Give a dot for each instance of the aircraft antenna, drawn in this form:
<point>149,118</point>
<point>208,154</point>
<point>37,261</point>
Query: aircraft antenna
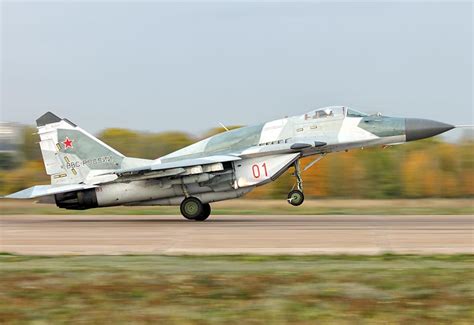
<point>223,126</point>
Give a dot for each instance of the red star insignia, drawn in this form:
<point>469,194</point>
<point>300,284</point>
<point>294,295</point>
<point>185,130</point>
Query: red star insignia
<point>67,143</point>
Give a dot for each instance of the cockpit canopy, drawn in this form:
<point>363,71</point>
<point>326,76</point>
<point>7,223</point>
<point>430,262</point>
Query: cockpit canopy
<point>325,112</point>
<point>333,111</point>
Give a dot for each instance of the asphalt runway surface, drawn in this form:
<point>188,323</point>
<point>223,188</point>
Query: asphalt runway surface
<point>95,234</point>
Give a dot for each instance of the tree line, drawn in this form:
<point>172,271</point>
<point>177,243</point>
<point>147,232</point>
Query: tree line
<point>424,169</point>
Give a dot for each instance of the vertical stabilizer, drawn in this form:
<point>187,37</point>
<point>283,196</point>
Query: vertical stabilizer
<point>70,154</point>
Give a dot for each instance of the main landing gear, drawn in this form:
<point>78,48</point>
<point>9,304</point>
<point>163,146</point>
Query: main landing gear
<point>193,209</point>
<point>296,196</point>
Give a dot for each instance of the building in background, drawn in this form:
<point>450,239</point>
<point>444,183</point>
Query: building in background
<point>10,142</point>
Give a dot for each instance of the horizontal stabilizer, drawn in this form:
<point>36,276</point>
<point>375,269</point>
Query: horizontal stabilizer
<point>44,190</point>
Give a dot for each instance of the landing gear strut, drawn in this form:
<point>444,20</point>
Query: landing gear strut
<point>193,209</point>
<point>296,196</point>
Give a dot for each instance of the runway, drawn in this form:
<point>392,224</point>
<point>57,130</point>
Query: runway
<point>93,234</point>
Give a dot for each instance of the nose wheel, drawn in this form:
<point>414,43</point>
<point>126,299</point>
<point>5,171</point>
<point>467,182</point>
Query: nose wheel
<point>296,196</point>
<point>193,209</point>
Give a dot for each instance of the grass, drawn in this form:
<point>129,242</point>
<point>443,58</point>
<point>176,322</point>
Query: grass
<point>256,207</point>
<point>237,289</point>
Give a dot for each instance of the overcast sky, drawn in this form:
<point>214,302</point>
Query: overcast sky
<point>161,66</point>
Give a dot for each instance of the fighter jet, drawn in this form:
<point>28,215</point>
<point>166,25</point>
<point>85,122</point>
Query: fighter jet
<point>87,173</point>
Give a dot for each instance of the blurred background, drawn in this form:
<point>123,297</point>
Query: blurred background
<point>433,168</point>
<point>151,77</point>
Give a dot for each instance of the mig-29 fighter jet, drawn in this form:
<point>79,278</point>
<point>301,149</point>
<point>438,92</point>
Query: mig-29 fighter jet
<point>87,173</point>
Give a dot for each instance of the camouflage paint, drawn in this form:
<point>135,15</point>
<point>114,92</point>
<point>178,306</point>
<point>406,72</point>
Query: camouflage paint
<point>383,126</point>
<point>220,167</point>
<point>86,151</point>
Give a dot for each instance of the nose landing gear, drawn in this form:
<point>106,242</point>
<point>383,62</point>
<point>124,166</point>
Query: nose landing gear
<point>193,209</point>
<point>296,196</point>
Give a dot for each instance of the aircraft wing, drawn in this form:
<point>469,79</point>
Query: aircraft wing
<point>44,190</point>
<point>165,169</point>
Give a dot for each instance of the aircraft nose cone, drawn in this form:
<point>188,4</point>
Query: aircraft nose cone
<point>416,129</point>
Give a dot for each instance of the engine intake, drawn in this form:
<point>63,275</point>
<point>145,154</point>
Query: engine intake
<point>80,200</point>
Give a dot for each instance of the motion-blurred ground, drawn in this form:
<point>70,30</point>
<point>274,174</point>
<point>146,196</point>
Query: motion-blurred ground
<point>236,234</point>
<point>386,289</point>
<point>273,207</point>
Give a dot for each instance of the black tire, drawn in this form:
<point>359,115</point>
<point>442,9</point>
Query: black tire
<point>206,212</point>
<point>296,198</point>
<point>191,208</point>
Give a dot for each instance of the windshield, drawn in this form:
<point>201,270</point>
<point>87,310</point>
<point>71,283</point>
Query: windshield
<point>353,113</point>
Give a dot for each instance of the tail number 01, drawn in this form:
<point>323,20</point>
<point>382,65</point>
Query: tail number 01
<point>257,170</point>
